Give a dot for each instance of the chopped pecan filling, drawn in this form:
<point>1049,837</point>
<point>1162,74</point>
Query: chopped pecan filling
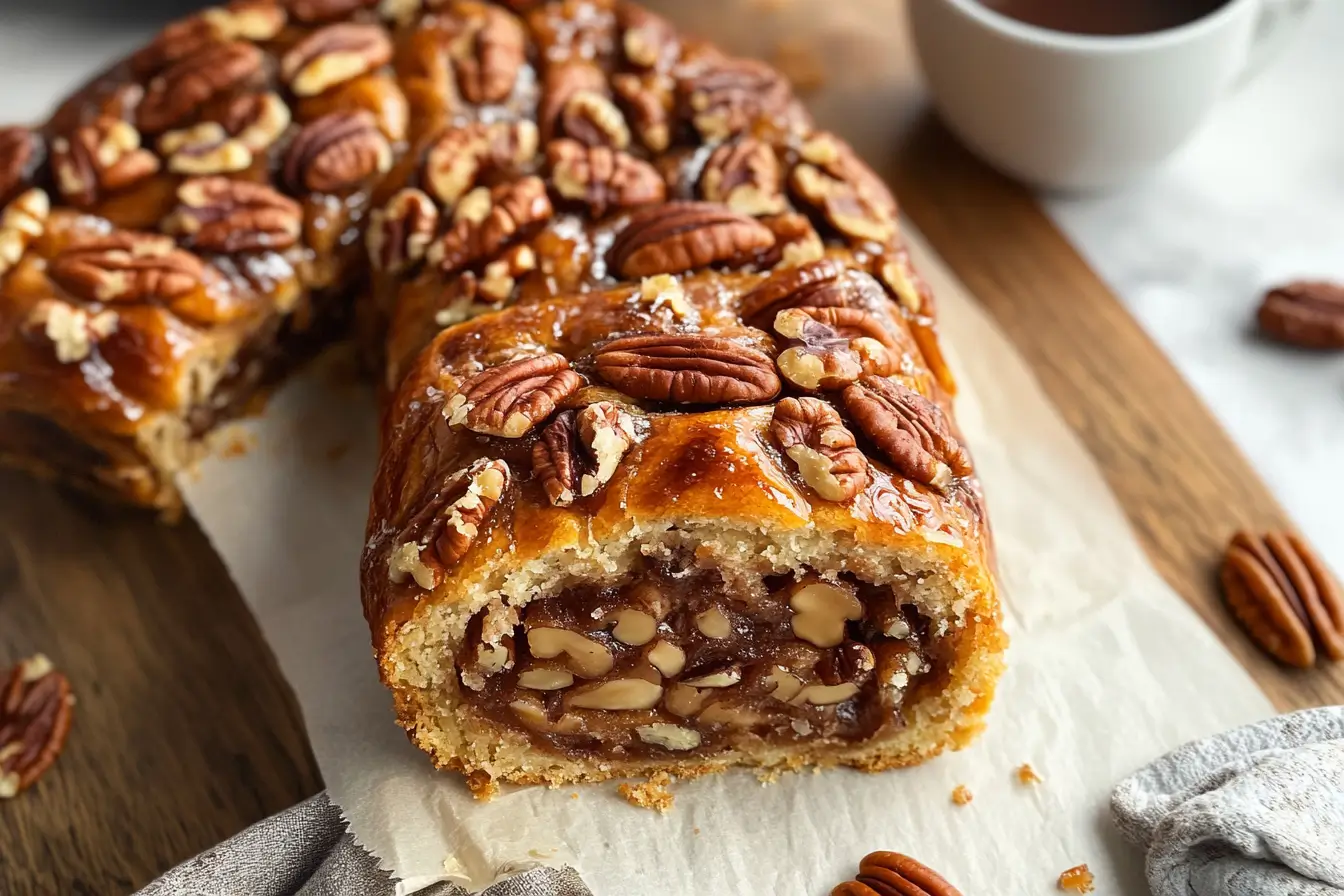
<point>682,663</point>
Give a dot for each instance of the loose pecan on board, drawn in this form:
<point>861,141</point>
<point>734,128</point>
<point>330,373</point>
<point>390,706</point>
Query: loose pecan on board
<point>893,874</point>
<point>35,710</point>
<point>1306,313</point>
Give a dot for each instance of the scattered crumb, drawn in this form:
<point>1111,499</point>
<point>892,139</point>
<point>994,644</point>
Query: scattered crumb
<point>231,441</point>
<point>574,796</point>
<point>1026,775</point>
<point>962,795</point>
<point>801,64</point>
<point>482,786</point>
<point>695,831</point>
<point>1076,880</point>
<point>653,794</point>
<point>338,451</point>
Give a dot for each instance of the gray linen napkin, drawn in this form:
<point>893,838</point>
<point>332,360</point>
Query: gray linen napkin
<point>305,851</point>
<point>1256,811</point>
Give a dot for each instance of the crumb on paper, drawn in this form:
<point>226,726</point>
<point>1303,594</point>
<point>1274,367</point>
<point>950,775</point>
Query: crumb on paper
<point>1026,775</point>
<point>231,441</point>
<point>961,795</point>
<point>1076,880</point>
<point>800,62</point>
<point>574,795</point>
<point>695,831</point>
<point>482,786</point>
<point>652,794</point>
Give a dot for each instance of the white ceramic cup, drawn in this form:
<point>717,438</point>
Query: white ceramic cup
<point>1082,112</point>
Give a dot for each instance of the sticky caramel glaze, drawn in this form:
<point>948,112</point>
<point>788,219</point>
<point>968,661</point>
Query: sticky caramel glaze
<point>758,644</point>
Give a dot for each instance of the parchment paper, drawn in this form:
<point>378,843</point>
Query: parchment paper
<point>1108,667</point>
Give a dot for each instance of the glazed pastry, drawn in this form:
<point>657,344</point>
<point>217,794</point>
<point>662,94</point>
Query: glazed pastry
<point>669,477</point>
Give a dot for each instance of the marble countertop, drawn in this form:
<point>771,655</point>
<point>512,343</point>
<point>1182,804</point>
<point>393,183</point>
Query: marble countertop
<point>1256,198</point>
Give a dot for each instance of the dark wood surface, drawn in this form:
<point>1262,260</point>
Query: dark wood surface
<point>185,731</point>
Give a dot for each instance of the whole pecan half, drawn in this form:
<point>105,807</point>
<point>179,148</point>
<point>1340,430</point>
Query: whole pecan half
<point>1306,313</point>
<point>317,12</point>
<point>682,236</point>
<point>824,283</point>
<point>647,39</point>
<point>687,369</point>
<point>648,101</point>
<point>458,157</point>
<point>814,437</point>
<point>101,157</point>
<point>18,151</point>
<point>509,399</point>
<point>439,536</point>
<point>833,346</point>
<point>744,175</point>
<point>727,96</point>
<point>602,178</point>
<point>579,451</point>
<point>125,266</point>
<point>216,214</point>
<point>401,231</point>
<point>248,125</point>
<point>488,220</point>
<point>594,120</point>
<point>333,55</point>
<point>489,56</point>
<point>337,152</point>
<point>22,221</point>
<point>178,91</point>
<point>892,874</point>
<point>35,710</point>
<point>1284,595</point>
<point>563,81</point>
<point>909,429</point>
<point>832,179</point>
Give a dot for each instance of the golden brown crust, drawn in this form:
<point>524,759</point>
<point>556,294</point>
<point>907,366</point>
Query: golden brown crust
<point>595,257</point>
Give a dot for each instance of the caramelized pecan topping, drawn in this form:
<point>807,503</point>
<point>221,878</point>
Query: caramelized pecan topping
<point>562,82</point>
<point>401,231</point>
<point>18,150</point>
<point>853,199</point>
<point>1284,595</point>
<point>489,56</point>
<point>179,90</point>
<point>35,709</point>
<point>823,283</point>
<point>647,39</point>
<point>249,20</point>
<point>256,20</point>
<point>440,535</point>
<point>337,152</point>
<point>814,437</point>
<point>102,157</point>
<point>124,266</point>
<point>687,369</point>
<point>744,175</point>
<point>1307,313</point>
<point>216,214</point>
<point>899,274</point>
<point>460,155</point>
<point>602,178</point>
<point>22,221</point>
<point>892,874</point>
<point>682,236</point>
<point>728,96</point>
<point>833,347</point>
<point>318,12</point>
<point>333,55</point>
<point>486,221</point>
<point>648,102</point>
<point>593,120</point>
<point>909,429</point>
<point>248,125</point>
<point>509,399</point>
<point>579,451</point>
<point>72,332</point>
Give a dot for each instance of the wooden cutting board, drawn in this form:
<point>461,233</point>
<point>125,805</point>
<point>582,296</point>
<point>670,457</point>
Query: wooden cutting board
<point>185,731</point>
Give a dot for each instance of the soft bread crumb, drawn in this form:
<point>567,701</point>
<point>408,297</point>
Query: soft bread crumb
<point>652,794</point>
<point>1077,879</point>
<point>962,795</point>
<point>1026,775</point>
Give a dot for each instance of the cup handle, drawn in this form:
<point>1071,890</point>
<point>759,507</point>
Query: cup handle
<point>1278,21</point>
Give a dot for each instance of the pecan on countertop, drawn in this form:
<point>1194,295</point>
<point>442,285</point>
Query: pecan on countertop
<point>893,874</point>
<point>35,709</point>
<point>1306,313</point>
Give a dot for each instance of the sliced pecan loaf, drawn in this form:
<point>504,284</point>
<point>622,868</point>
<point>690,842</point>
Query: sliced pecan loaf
<point>669,474</point>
